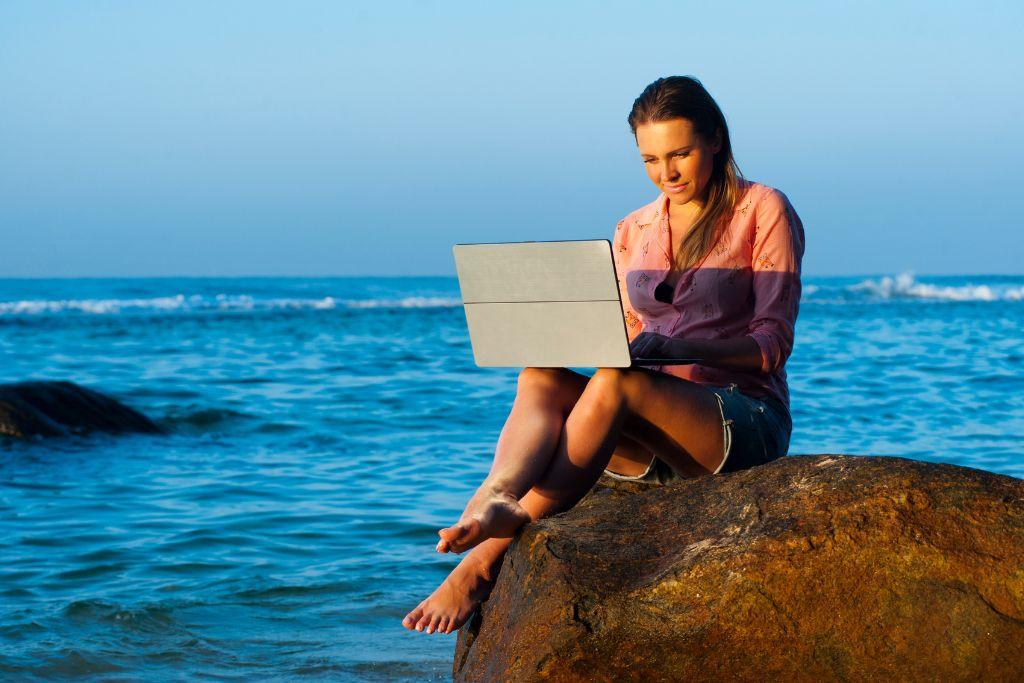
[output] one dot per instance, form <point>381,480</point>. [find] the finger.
<point>657,347</point>
<point>652,345</point>
<point>637,341</point>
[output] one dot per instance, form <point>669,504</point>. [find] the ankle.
<point>499,488</point>
<point>486,567</point>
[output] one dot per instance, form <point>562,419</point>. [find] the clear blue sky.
<point>314,138</point>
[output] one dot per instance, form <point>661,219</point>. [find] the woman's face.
<point>677,159</point>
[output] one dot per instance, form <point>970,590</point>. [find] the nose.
<point>667,172</point>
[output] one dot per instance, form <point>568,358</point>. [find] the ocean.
<point>320,431</point>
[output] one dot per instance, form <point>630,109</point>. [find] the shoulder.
<point>762,196</point>
<point>770,204</point>
<point>645,215</point>
<point>776,224</point>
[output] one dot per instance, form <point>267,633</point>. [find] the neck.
<point>688,211</point>
<point>690,208</point>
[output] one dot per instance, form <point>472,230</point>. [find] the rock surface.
<point>62,408</point>
<point>808,568</point>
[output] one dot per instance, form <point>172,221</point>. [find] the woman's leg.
<point>544,399</point>
<point>675,419</point>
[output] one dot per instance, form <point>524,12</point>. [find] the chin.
<point>680,199</point>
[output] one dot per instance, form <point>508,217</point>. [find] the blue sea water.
<point>322,430</point>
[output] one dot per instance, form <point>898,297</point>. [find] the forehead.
<point>658,137</point>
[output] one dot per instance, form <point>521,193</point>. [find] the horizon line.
<point>907,271</point>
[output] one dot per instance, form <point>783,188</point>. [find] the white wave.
<point>220,302</point>
<point>94,306</point>
<point>905,286</point>
<point>409,302</point>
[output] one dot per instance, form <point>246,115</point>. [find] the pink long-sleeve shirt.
<point>748,284</point>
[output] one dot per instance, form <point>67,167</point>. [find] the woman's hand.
<point>736,353</point>
<point>654,345</point>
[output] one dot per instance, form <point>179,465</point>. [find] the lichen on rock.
<point>810,568</point>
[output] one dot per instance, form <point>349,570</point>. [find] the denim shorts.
<point>756,431</point>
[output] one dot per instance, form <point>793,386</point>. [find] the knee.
<point>609,383</point>
<point>545,381</point>
<point>609,379</point>
<point>618,384</point>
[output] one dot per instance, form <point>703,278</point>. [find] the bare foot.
<point>490,513</point>
<point>451,603</point>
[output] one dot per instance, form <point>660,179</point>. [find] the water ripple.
<point>287,522</point>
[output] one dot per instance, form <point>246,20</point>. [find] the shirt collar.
<point>655,217</point>
<point>654,212</point>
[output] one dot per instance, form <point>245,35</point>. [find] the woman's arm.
<point>776,261</point>
<point>738,353</point>
<point>620,252</point>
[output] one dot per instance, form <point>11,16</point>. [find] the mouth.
<point>675,188</point>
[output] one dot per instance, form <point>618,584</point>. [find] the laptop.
<point>545,304</point>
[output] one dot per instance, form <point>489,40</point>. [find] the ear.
<point>716,143</point>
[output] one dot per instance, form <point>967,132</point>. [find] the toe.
<point>442,626</point>
<point>422,622</point>
<point>471,532</point>
<point>412,617</point>
<point>452,533</point>
<point>432,626</point>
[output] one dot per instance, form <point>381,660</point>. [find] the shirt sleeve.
<point>777,254</point>
<point>620,255</point>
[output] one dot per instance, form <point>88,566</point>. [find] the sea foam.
<point>905,286</point>
<point>826,291</point>
<point>220,302</point>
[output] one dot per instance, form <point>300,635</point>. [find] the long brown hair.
<point>683,97</point>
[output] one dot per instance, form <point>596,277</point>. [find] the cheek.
<point>694,170</point>
<point>707,164</point>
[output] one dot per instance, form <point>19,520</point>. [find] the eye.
<point>682,154</point>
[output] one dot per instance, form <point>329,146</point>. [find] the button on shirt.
<point>747,284</point>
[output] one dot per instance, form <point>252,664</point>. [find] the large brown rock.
<point>807,568</point>
<point>63,408</point>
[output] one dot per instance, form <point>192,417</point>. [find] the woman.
<point>709,270</point>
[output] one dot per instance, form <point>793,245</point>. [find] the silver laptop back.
<point>542,304</point>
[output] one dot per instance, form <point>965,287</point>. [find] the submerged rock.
<point>808,568</point>
<point>63,408</point>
